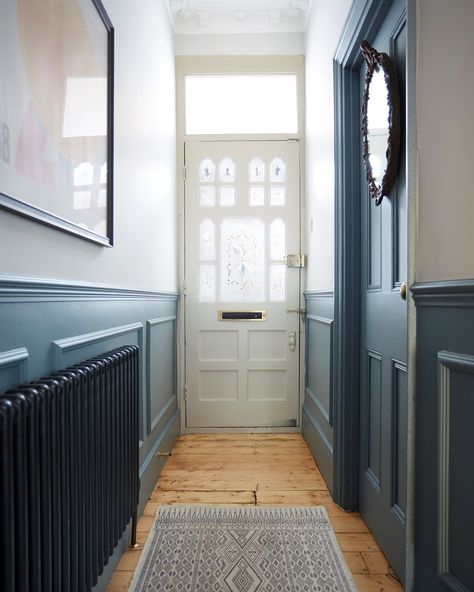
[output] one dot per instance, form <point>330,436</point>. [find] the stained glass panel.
<point>257,195</point>
<point>227,196</point>
<point>257,171</point>
<point>207,171</point>
<point>277,240</point>
<point>277,195</point>
<point>227,170</point>
<point>278,171</point>
<point>277,283</point>
<point>207,283</point>
<point>207,240</point>
<point>207,196</point>
<point>242,260</point>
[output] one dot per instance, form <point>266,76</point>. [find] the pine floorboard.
<point>262,470</point>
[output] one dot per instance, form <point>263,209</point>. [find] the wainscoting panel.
<point>318,387</point>
<point>71,350</point>
<point>161,361</point>
<point>444,513</point>
<point>49,325</point>
<point>13,367</point>
<point>318,402</point>
<point>455,483</point>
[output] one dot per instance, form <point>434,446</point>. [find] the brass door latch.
<point>300,311</point>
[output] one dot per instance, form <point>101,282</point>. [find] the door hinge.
<point>184,288</point>
<point>295,260</point>
<point>185,393</point>
<point>184,173</point>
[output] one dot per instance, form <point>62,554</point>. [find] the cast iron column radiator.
<point>68,473</point>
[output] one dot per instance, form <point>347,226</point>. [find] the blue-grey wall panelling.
<point>161,360</point>
<point>318,401</point>
<point>48,325</point>
<point>71,350</point>
<point>444,512</point>
<point>13,367</point>
<point>76,348</point>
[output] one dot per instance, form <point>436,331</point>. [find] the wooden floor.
<point>262,470</point>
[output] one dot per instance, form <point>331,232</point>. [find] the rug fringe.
<point>293,513</point>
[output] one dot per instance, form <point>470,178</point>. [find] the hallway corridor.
<point>263,470</point>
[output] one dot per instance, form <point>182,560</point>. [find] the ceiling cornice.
<point>238,16</point>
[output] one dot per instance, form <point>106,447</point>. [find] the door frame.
<point>218,64</point>
<point>363,22</point>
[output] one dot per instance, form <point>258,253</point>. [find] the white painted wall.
<point>144,254</point>
<point>445,122</point>
<point>240,44</point>
<point>322,35</point>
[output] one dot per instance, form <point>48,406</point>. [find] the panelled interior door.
<point>242,219</point>
<point>383,393</point>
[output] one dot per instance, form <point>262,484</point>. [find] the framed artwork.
<point>56,115</point>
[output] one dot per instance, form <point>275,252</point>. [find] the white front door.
<point>242,218</point>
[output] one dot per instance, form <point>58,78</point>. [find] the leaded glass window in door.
<point>242,267</point>
<point>242,259</point>
<point>227,171</point>
<point>256,179</point>
<point>218,191</point>
<point>207,171</point>
<point>207,241</point>
<point>277,261</point>
<point>278,182</point>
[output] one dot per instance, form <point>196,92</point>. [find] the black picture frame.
<point>18,190</point>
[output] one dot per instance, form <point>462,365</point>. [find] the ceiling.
<point>238,16</point>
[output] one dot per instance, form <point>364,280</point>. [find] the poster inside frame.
<point>56,115</point>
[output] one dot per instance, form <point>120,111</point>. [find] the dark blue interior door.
<point>383,388</point>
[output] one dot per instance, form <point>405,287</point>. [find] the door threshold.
<point>274,430</point>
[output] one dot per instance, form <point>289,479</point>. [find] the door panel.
<point>241,220</point>
<point>382,478</point>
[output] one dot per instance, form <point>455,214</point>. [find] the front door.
<point>383,393</point>
<point>242,335</point>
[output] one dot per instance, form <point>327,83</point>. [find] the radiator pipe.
<point>133,537</point>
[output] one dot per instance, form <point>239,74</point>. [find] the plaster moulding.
<point>238,16</point>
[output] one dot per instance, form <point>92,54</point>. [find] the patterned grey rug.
<point>248,549</point>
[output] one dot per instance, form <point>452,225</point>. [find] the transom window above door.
<point>241,104</point>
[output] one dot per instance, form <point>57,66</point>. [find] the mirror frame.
<point>376,61</point>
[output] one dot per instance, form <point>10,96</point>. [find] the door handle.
<point>292,340</point>
<point>300,311</point>
<point>403,291</point>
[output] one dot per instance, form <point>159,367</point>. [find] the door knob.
<point>403,291</point>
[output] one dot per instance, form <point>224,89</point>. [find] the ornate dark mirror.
<point>380,122</point>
